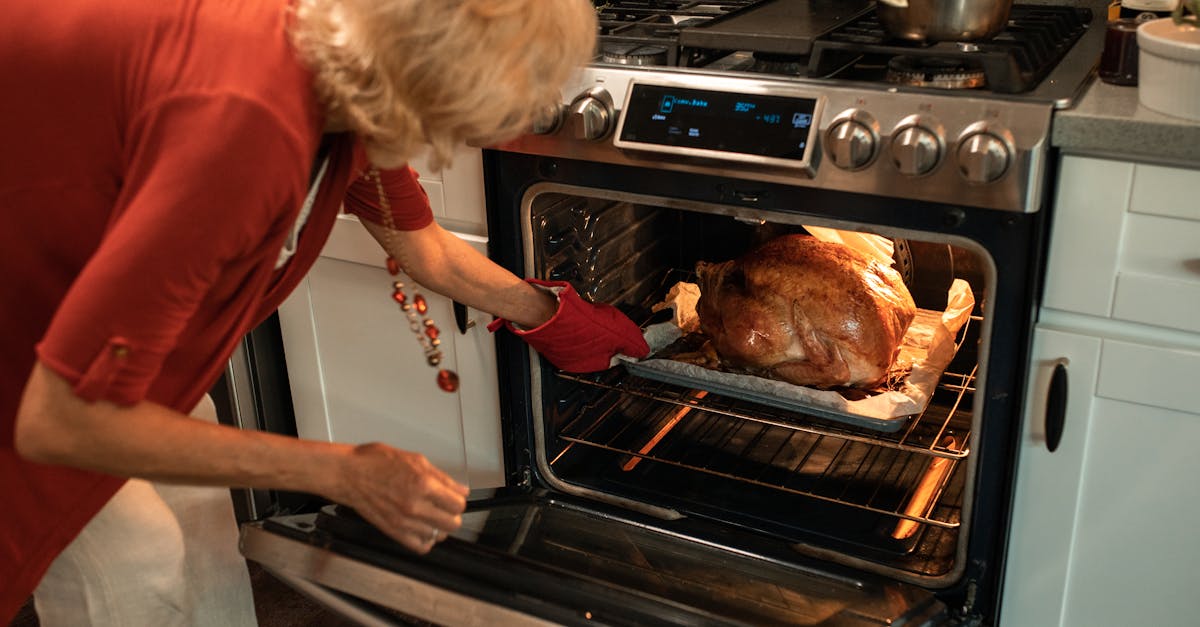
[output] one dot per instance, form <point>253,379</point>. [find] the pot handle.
<point>1056,405</point>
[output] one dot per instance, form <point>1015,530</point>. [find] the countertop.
<point>1107,121</point>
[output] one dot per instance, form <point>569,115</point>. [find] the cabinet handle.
<point>1056,405</point>
<point>460,318</point>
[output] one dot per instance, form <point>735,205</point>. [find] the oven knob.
<point>548,119</point>
<point>851,140</point>
<point>916,150</point>
<point>984,153</point>
<point>590,117</point>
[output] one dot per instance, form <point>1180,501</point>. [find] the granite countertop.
<point>1107,121</point>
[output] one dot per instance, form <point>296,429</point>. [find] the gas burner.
<point>633,54</point>
<point>934,72</point>
<point>779,64</point>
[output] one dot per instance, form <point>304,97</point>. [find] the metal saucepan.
<point>943,20</point>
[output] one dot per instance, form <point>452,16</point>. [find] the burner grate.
<point>625,23</point>
<point>1014,61</point>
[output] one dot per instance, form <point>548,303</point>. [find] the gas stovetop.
<point>814,93</point>
<point>1037,57</point>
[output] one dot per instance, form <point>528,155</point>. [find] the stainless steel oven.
<point>703,129</point>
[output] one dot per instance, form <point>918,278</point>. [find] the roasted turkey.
<point>805,311</point>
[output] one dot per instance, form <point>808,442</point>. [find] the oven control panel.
<point>955,148</point>
<point>705,120</point>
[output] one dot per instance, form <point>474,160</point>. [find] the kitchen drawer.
<point>1125,243</point>
<point>349,241</point>
<point>456,192</point>
<point>1150,375</point>
<point>1163,191</point>
<point>1158,275</point>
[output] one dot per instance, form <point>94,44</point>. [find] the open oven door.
<point>542,558</point>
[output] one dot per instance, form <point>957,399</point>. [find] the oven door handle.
<point>461,320</point>
<point>1056,405</point>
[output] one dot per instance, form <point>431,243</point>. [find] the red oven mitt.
<point>580,336</point>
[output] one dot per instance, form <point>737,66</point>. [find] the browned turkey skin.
<point>807,312</point>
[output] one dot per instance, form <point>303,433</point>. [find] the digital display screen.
<point>766,126</point>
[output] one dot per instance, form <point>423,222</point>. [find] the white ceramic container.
<point>1169,68</point>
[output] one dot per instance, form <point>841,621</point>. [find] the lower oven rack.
<point>902,475</point>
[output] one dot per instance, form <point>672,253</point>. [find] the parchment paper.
<point>927,348</point>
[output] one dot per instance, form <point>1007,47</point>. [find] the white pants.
<point>155,555</point>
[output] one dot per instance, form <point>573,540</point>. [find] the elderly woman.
<point>172,170</point>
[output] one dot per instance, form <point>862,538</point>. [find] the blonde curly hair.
<point>404,74</point>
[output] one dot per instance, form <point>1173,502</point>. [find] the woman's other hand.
<point>402,494</point>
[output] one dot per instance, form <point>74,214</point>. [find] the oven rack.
<point>922,436</point>
<point>878,475</point>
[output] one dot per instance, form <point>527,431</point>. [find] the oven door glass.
<point>523,558</point>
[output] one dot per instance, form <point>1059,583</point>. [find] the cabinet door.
<point>1136,559</point>
<point>1104,528</point>
<point>358,374</point>
<point>1047,484</point>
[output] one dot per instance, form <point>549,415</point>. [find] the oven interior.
<point>893,502</point>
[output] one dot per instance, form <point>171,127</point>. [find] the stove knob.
<point>984,153</point>
<point>851,140</point>
<point>590,117</point>
<point>916,150</point>
<point>548,119</point>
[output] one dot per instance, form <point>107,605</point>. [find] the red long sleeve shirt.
<point>155,157</point>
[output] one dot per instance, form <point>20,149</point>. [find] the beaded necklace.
<point>422,326</point>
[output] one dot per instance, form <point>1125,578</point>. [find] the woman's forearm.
<point>153,442</point>
<point>442,262</point>
<point>400,492</point>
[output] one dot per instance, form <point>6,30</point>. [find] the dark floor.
<point>275,604</point>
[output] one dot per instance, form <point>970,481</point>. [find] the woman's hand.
<point>580,336</point>
<point>398,491</point>
<point>402,494</point>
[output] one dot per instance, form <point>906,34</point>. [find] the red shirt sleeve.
<point>409,203</point>
<point>192,202</point>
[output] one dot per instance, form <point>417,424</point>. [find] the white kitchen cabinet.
<point>358,375</point>
<point>1103,529</point>
<point>1125,243</point>
<point>456,192</point>
<point>1047,484</point>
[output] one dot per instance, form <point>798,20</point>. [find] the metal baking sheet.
<point>728,386</point>
<point>786,27</point>
<point>928,347</point>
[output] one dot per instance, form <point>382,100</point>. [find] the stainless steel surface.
<point>984,152</point>
<point>342,604</point>
<point>565,559</point>
<point>548,120</point>
<point>324,567</point>
<point>1019,189</point>
<point>941,20</point>
<point>918,145</point>
<point>590,115</point>
<point>852,140</point>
